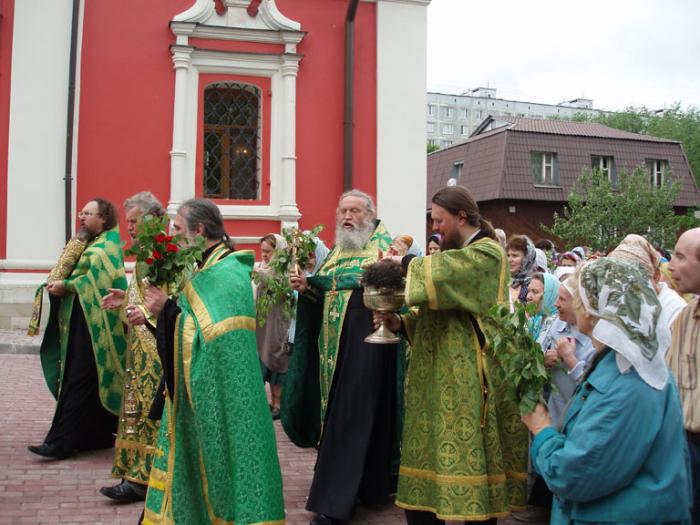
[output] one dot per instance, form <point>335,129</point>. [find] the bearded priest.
<point>354,417</point>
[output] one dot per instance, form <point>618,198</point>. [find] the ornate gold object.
<point>383,300</point>
<point>64,267</point>
<point>132,405</point>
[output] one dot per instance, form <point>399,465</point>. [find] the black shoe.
<point>275,412</point>
<point>125,492</point>
<point>322,519</point>
<point>49,451</point>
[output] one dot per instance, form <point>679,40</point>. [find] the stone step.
<point>18,342</point>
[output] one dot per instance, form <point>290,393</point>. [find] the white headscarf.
<point>563,270</point>
<point>541,260</point>
<point>415,250</point>
<point>621,296</point>
<point>320,253</point>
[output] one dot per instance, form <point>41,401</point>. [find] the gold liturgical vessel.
<point>384,300</point>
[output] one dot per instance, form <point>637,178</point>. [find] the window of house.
<point>448,112</point>
<point>431,110</point>
<point>477,114</point>
<point>447,129</point>
<point>430,127</point>
<point>606,165</point>
<point>464,130</point>
<point>545,168</point>
<point>657,169</point>
<point>231,142</point>
<point>445,143</point>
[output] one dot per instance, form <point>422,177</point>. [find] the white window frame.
<point>464,130</point>
<point>548,181</point>
<point>657,172</point>
<point>431,110</point>
<point>604,165</point>
<point>430,127</point>
<point>448,111</point>
<point>448,129</point>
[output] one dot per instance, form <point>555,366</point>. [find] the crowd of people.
<point>177,382</point>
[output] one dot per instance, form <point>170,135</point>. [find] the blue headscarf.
<point>547,308</point>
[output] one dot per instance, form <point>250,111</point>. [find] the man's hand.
<point>113,300</point>
<point>538,420</point>
<point>298,282</point>
<point>551,358</point>
<point>155,300</point>
<point>135,316</point>
<point>393,320</point>
<point>56,288</point>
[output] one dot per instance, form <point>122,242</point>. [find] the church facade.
<point>269,107</point>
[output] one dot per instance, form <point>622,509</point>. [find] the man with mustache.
<point>355,416</point>
<point>83,350</point>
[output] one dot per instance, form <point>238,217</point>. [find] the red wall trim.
<point>7,10</point>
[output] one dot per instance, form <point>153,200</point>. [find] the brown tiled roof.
<point>497,163</point>
<point>579,129</point>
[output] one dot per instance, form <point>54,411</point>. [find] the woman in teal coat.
<point>620,456</point>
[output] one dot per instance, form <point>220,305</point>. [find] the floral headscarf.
<point>547,308</point>
<point>622,297</point>
<point>527,265</point>
<point>637,249</point>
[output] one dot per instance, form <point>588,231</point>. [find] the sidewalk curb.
<point>19,348</point>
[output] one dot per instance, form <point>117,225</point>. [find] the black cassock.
<point>80,421</point>
<point>354,457</point>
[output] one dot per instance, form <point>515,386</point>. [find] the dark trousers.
<point>80,421</point>
<point>419,517</point>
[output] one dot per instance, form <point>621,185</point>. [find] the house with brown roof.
<point>521,171</point>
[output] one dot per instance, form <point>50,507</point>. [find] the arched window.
<point>232,141</point>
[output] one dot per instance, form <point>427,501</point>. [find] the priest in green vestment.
<point>216,458</point>
<point>137,433</point>
<point>339,389</point>
<point>464,448</point>
<point>82,353</point>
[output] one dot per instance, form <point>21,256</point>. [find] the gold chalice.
<point>385,300</point>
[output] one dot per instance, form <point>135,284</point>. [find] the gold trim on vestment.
<point>456,517</point>
<point>198,308</point>
<point>512,474</point>
<point>188,333</point>
<point>237,322</point>
<point>429,284</point>
<point>447,479</point>
<point>134,445</point>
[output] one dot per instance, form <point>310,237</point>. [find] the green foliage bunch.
<point>521,357</point>
<point>165,260</point>
<point>300,246</point>
<point>600,216</point>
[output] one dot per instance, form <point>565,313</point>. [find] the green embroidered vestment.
<point>464,448</point>
<point>216,460</point>
<point>99,268</point>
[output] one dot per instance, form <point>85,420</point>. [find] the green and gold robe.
<point>216,459</point>
<point>137,434</point>
<point>464,448</point>
<point>99,268</point>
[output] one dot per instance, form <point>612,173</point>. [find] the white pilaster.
<point>401,99</point>
<point>181,180</point>
<point>289,213</point>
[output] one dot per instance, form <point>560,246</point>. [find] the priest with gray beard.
<point>340,392</point>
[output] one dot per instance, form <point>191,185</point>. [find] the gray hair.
<point>146,202</point>
<point>369,203</point>
<point>206,213</point>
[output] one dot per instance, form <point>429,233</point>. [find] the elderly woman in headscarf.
<point>543,291</point>
<point>272,337</point>
<point>637,250</point>
<point>620,455</point>
<point>521,261</point>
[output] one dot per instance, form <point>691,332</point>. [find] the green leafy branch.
<point>522,360</point>
<point>301,245</point>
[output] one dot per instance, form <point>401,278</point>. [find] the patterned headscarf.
<point>622,297</point>
<point>637,249</point>
<point>527,266</point>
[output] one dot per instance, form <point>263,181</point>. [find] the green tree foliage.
<point>673,123</point>
<point>432,147</point>
<point>600,216</point>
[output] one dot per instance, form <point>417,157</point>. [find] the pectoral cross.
<point>334,315</point>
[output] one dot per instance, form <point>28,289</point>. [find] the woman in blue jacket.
<point>620,455</point>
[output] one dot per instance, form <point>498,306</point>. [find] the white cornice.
<point>265,36</point>
<point>200,11</point>
<point>236,16</point>
<point>274,19</point>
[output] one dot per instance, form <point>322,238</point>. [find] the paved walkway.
<point>37,491</point>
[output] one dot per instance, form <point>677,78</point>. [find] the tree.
<point>600,216</point>
<point>432,147</point>
<point>673,123</point>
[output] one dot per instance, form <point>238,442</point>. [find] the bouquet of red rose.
<point>162,258</point>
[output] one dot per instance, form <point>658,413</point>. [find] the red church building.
<point>269,107</point>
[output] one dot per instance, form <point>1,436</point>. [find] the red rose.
<point>161,238</point>
<point>171,248</point>
<point>149,260</point>
<point>169,238</point>
<point>156,255</point>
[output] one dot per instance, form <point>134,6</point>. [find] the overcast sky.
<point>616,52</point>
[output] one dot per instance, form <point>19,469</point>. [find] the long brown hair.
<point>458,198</point>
